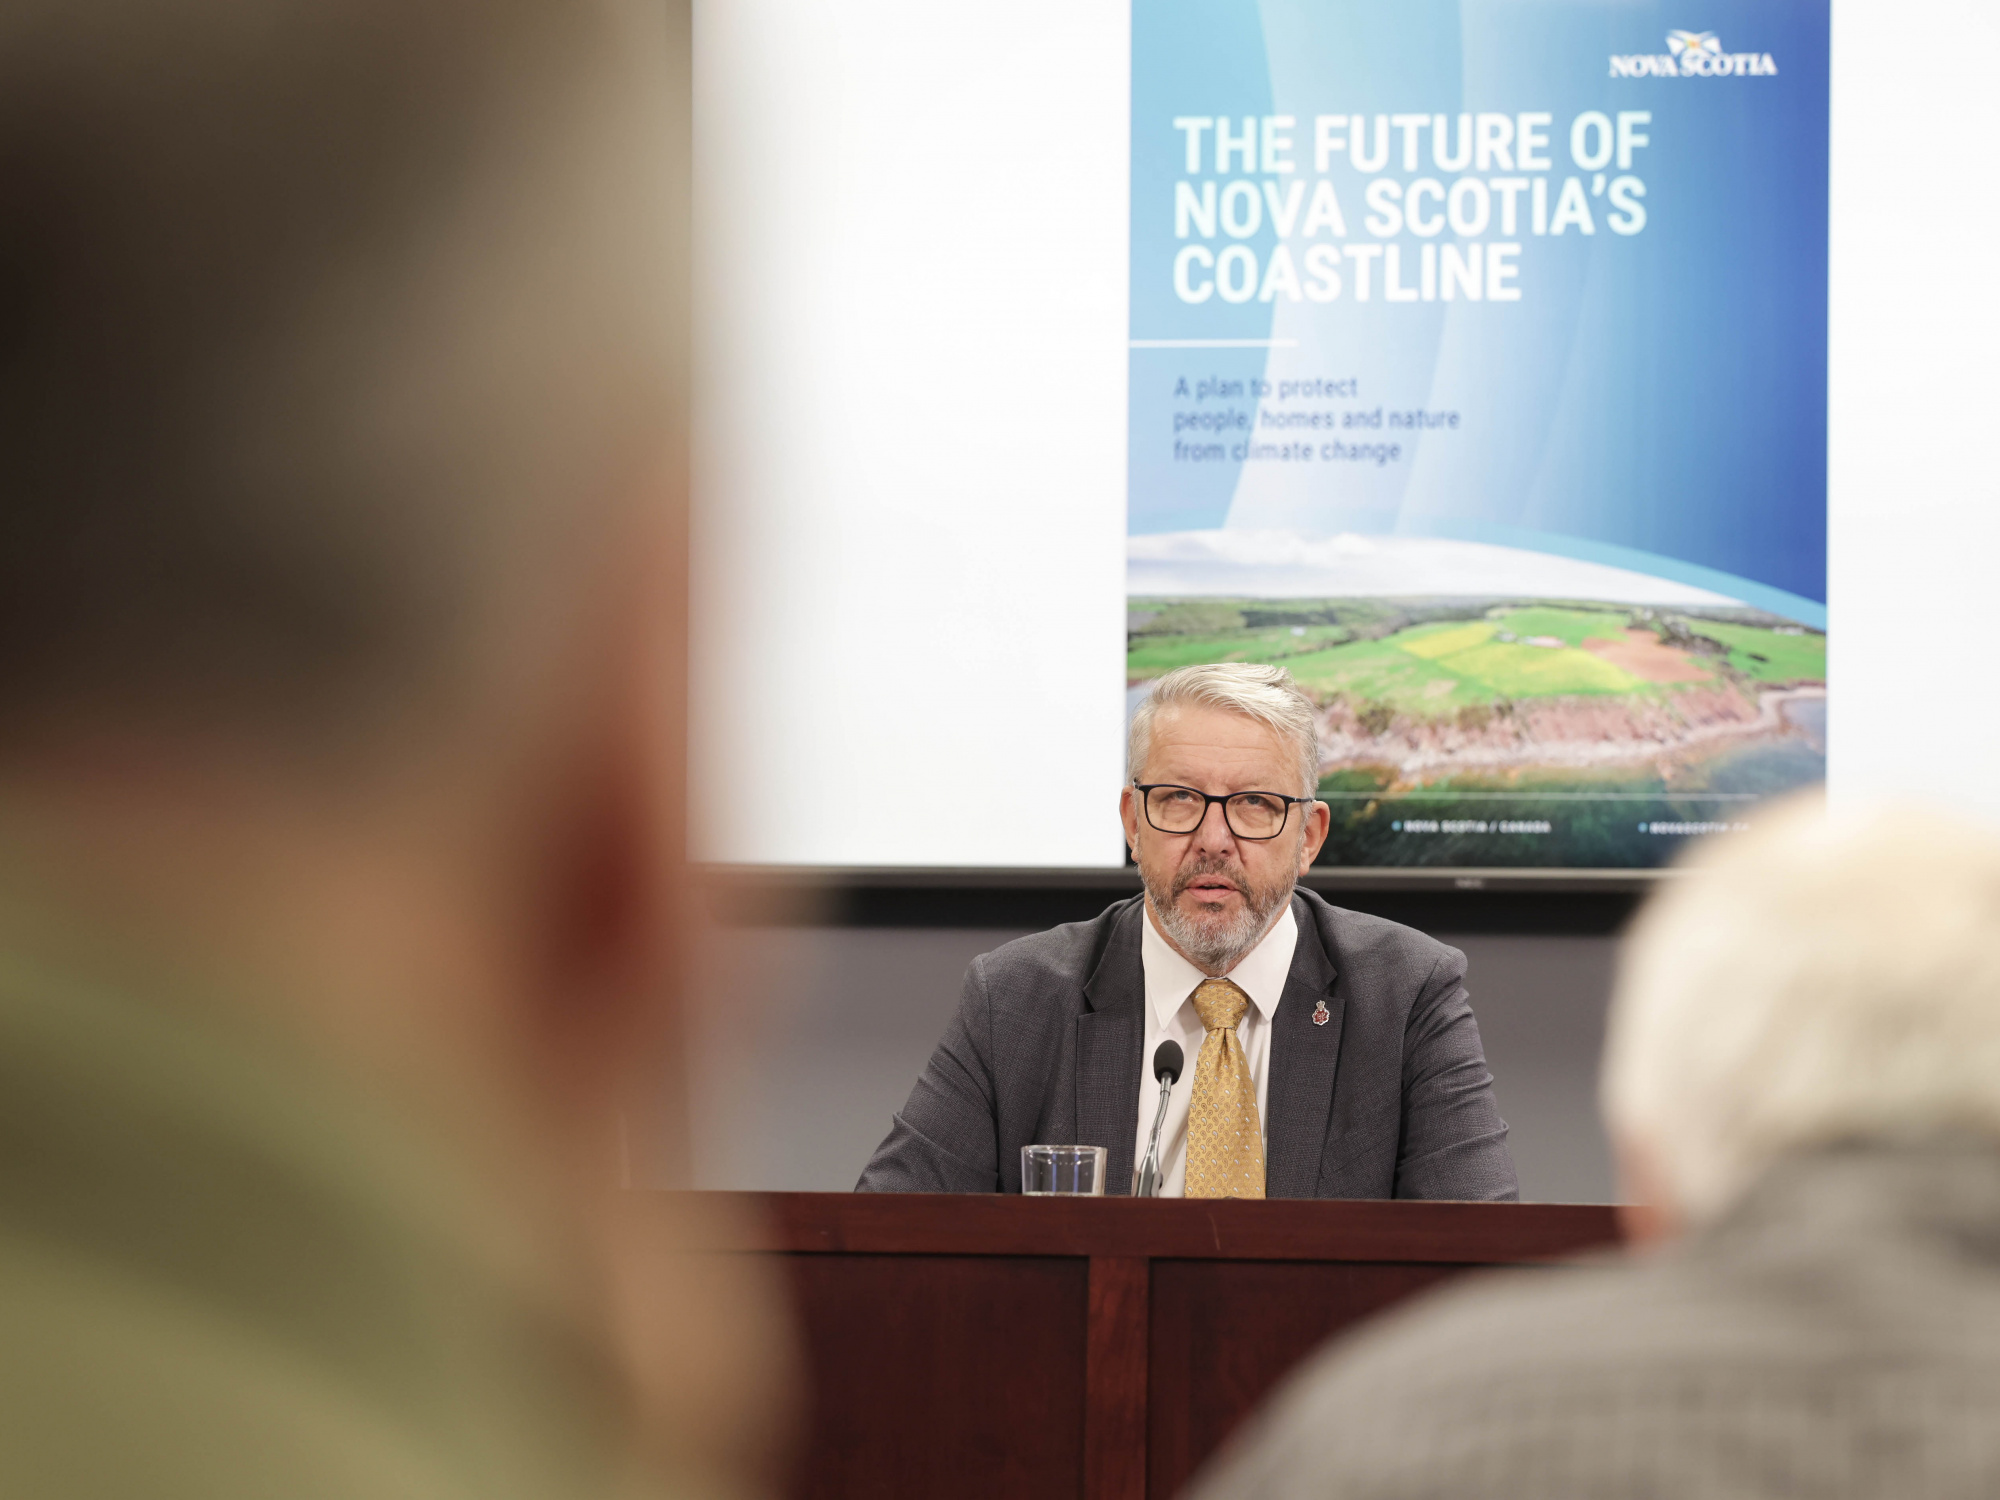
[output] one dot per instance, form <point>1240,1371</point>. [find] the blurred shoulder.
<point>199,1401</point>
<point>1498,1321</point>
<point>1485,1378</point>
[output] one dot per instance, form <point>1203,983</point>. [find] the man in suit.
<point>1802,1079</point>
<point>1333,1055</point>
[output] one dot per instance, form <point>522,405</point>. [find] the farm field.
<point>1432,667</point>
<point>1576,727</point>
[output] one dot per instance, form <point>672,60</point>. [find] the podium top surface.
<point>1154,1228</point>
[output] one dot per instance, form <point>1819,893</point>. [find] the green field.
<point>1767,656</point>
<point>1399,665</point>
<point>1429,658</point>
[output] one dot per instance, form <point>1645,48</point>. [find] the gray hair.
<point>1816,980</point>
<point>1266,694</point>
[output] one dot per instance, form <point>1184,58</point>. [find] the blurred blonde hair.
<point>1822,978</point>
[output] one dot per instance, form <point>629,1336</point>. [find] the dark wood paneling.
<point>978,1345</point>
<point>1223,1333</point>
<point>1223,1229</point>
<point>1114,1459</point>
<point>959,1376</point>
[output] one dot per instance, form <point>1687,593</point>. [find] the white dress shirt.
<point>1170,1015</point>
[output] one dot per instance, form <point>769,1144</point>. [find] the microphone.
<point>1167,1062</point>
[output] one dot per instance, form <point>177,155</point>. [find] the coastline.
<point>1560,733</point>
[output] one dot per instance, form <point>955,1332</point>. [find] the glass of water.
<point>1062,1169</point>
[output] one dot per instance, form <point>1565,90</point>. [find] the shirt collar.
<point>1261,973</point>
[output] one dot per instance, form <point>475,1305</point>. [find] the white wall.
<point>1915,503</point>
<point>909,548</point>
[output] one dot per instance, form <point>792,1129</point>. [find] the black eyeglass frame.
<point>1145,803</point>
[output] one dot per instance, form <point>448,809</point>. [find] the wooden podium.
<point>974,1345</point>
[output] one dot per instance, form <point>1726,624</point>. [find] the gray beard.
<point>1216,944</point>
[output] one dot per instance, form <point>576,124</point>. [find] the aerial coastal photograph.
<point>1528,732</point>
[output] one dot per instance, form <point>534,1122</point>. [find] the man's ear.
<point>615,883</point>
<point>1128,814</point>
<point>612,875</point>
<point>1648,1213</point>
<point>1318,822</point>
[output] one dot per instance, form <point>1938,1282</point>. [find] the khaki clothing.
<point>1836,1334</point>
<point>224,1274</point>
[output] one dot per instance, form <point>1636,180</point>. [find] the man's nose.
<point>1213,831</point>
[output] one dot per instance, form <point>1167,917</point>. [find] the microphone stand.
<point>1149,1171</point>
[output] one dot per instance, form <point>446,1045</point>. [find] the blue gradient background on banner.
<point>1655,401</point>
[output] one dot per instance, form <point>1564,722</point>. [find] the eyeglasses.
<point>1249,815</point>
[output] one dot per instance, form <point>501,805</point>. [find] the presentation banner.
<point>1478,377</point>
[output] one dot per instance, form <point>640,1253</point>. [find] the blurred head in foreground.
<point>341,364</point>
<point>1819,980</point>
<point>1803,1080</point>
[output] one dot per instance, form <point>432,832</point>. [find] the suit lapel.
<point>1304,1056</point>
<point>1110,1035</point>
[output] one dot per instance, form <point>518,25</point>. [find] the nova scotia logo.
<point>1694,54</point>
<point>1700,43</point>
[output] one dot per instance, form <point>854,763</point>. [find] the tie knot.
<point>1220,1004</point>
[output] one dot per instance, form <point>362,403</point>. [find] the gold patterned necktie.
<point>1225,1139</point>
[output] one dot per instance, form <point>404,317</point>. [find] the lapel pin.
<point>1321,1015</point>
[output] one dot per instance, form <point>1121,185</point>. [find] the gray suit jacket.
<point>1389,1099</point>
<point>1836,1336</point>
